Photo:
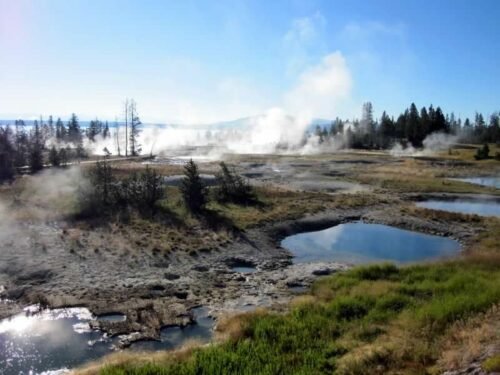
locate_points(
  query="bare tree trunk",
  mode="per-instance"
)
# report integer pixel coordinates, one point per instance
(117, 136)
(132, 135)
(126, 127)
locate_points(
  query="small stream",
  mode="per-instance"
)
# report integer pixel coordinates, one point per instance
(358, 243)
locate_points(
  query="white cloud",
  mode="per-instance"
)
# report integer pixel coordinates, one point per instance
(306, 29)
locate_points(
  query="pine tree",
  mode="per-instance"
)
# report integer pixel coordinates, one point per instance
(93, 130)
(6, 154)
(412, 126)
(36, 156)
(74, 131)
(60, 130)
(21, 144)
(387, 130)
(50, 124)
(105, 131)
(193, 190)
(54, 159)
(63, 156)
(233, 188)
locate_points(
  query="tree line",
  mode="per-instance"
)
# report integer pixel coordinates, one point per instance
(411, 127)
(56, 143)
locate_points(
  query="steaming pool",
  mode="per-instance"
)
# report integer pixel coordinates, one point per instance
(50, 342)
(358, 243)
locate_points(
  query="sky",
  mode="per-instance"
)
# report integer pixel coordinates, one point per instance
(206, 61)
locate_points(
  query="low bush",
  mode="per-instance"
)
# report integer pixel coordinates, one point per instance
(101, 193)
(233, 188)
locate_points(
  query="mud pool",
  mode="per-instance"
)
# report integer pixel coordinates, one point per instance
(367, 243)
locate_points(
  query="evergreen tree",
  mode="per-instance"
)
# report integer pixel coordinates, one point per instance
(63, 156)
(193, 190)
(6, 154)
(21, 144)
(105, 131)
(425, 125)
(233, 188)
(60, 130)
(387, 130)
(54, 158)
(74, 133)
(93, 130)
(36, 155)
(439, 122)
(493, 131)
(145, 190)
(412, 126)
(50, 124)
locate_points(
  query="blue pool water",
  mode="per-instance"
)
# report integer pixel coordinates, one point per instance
(367, 243)
(485, 181)
(478, 207)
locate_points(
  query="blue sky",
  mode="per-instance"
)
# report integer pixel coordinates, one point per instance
(203, 61)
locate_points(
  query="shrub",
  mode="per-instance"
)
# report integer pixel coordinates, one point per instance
(492, 364)
(377, 272)
(482, 153)
(104, 194)
(349, 308)
(54, 158)
(144, 190)
(232, 187)
(194, 192)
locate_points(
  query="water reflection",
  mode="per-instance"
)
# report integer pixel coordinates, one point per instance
(34, 342)
(244, 269)
(484, 181)
(483, 208)
(52, 341)
(366, 243)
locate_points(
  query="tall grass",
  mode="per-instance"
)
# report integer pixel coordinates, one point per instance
(350, 324)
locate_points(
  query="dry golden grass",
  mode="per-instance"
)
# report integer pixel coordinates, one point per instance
(232, 326)
(139, 358)
(467, 340)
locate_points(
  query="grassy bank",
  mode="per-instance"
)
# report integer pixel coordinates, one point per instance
(377, 319)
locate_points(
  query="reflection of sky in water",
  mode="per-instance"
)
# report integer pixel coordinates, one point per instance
(364, 243)
(50, 340)
(485, 181)
(468, 207)
(31, 343)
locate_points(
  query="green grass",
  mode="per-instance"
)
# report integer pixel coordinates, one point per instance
(492, 364)
(375, 319)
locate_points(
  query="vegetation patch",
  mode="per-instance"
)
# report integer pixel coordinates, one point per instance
(492, 364)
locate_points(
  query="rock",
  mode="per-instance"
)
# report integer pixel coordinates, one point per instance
(181, 294)
(323, 271)
(200, 268)
(172, 276)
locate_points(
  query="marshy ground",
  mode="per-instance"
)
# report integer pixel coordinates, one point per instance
(156, 271)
